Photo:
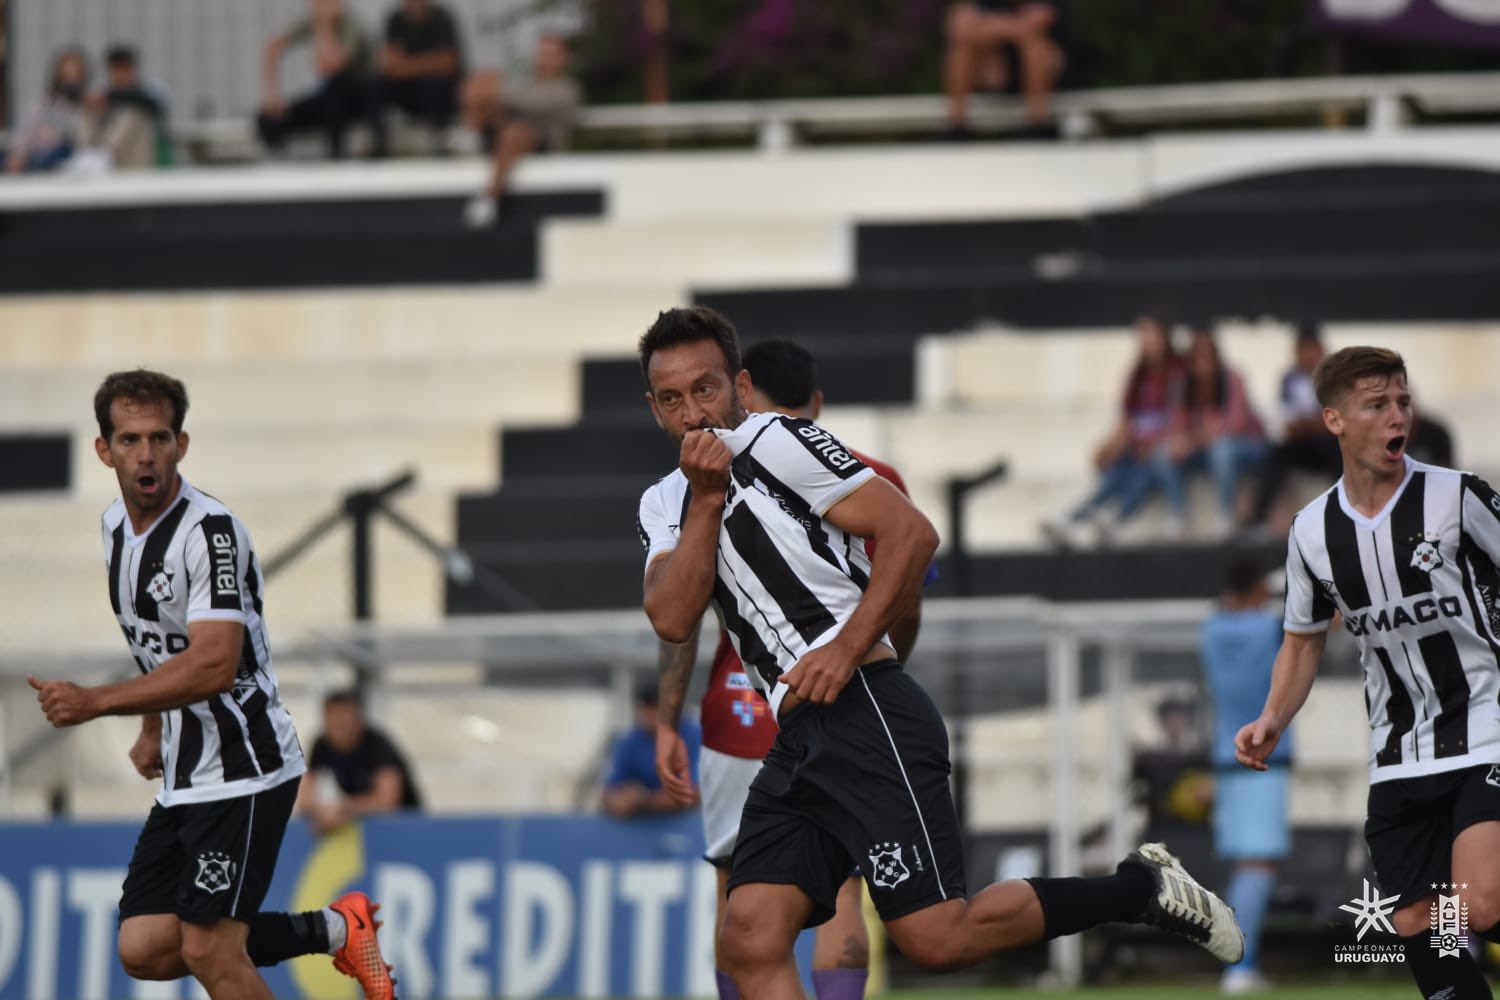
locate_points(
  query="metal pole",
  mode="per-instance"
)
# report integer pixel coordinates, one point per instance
(1062, 701)
(1119, 665)
(359, 512)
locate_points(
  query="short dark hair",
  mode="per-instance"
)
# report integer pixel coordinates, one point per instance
(120, 55)
(1338, 373)
(674, 327)
(143, 386)
(343, 696)
(784, 370)
(1244, 575)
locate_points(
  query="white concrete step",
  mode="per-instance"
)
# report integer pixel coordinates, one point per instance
(579, 253)
(411, 324)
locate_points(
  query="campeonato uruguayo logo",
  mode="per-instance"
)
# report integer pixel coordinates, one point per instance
(1448, 921)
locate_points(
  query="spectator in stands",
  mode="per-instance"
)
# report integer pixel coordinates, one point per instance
(127, 120)
(421, 66)
(978, 33)
(632, 787)
(53, 129)
(354, 769)
(1238, 645)
(1212, 426)
(655, 20)
(513, 121)
(1305, 443)
(1172, 778)
(341, 55)
(1124, 459)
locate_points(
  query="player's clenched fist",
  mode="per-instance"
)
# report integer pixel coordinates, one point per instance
(63, 702)
(705, 461)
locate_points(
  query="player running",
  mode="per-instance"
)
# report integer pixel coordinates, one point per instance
(737, 726)
(1407, 554)
(765, 517)
(185, 587)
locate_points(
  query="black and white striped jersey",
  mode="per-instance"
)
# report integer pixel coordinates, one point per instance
(1418, 588)
(195, 563)
(787, 579)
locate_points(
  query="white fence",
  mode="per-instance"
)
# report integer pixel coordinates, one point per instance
(1073, 662)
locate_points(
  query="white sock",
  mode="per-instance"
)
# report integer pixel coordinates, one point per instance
(338, 929)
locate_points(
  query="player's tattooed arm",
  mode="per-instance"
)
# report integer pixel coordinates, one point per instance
(674, 765)
(674, 672)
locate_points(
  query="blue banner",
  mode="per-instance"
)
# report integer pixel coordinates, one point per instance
(546, 906)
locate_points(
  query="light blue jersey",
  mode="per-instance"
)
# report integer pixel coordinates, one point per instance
(1238, 650)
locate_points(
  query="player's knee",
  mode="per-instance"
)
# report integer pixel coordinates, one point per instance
(143, 962)
(1484, 913)
(208, 954)
(746, 942)
(1413, 919)
(145, 955)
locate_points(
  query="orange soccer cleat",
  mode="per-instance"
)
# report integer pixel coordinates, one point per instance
(360, 956)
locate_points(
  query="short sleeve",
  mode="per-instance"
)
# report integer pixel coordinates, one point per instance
(1481, 516)
(1308, 608)
(810, 462)
(214, 551)
(380, 751)
(653, 525)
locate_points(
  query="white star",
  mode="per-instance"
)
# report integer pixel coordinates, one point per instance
(1434, 885)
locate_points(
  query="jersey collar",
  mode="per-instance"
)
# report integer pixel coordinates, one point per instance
(132, 539)
(1371, 522)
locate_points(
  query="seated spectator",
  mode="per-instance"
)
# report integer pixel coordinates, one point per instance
(512, 121)
(1172, 779)
(421, 66)
(1305, 443)
(354, 769)
(128, 120)
(53, 129)
(1124, 460)
(1212, 427)
(341, 55)
(631, 787)
(978, 32)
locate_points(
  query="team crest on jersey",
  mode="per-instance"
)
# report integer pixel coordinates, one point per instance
(1426, 556)
(887, 868)
(215, 872)
(160, 587)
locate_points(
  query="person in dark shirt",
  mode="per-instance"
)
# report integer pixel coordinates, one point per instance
(422, 63)
(354, 769)
(128, 119)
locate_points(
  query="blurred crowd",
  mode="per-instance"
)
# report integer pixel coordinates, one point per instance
(414, 75)
(1184, 410)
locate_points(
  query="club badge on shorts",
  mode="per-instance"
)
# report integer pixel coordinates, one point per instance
(887, 868)
(215, 872)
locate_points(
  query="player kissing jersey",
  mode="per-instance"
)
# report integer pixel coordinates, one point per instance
(736, 718)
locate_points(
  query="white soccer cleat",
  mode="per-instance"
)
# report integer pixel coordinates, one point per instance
(1184, 907)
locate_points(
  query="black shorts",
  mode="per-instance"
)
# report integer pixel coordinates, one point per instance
(208, 860)
(1411, 824)
(862, 783)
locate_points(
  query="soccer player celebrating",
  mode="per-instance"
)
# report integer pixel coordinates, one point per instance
(186, 589)
(765, 516)
(737, 726)
(1407, 554)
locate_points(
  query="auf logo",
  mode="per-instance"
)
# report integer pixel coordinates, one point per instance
(1371, 911)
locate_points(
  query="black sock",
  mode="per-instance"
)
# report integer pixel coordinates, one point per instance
(276, 937)
(1070, 905)
(1493, 934)
(1447, 976)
